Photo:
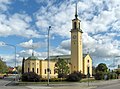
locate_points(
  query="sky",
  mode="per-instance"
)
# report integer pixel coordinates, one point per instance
(25, 23)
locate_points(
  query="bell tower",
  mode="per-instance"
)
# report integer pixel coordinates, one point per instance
(76, 45)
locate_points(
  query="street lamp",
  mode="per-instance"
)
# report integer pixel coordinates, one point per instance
(14, 53)
(48, 69)
(88, 71)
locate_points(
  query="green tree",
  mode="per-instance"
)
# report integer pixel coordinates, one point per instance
(101, 67)
(117, 71)
(62, 68)
(93, 70)
(19, 69)
(101, 72)
(23, 65)
(3, 67)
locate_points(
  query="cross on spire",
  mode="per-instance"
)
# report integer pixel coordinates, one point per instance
(76, 11)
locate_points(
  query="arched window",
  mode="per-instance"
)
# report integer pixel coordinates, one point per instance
(75, 25)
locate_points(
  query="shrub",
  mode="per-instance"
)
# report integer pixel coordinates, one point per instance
(84, 76)
(99, 75)
(30, 77)
(112, 75)
(62, 75)
(74, 77)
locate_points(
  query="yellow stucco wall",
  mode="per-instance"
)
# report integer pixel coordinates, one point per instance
(32, 64)
(40, 67)
(86, 64)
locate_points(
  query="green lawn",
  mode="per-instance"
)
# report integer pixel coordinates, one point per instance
(86, 80)
(57, 82)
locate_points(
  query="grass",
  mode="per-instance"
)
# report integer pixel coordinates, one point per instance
(86, 80)
(41, 83)
(56, 82)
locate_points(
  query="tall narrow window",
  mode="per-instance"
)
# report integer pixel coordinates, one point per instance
(79, 25)
(75, 25)
(28, 70)
(32, 69)
(45, 71)
(50, 71)
(37, 70)
(54, 71)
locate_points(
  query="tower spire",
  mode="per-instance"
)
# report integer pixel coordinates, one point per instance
(32, 50)
(76, 11)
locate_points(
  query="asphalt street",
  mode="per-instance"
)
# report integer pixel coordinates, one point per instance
(8, 80)
(111, 84)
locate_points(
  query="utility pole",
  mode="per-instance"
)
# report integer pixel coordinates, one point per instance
(48, 69)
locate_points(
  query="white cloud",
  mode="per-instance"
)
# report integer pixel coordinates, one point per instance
(88, 43)
(17, 24)
(28, 53)
(8, 59)
(2, 43)
(58, 18)
(31, 45)
(62, 49)
(4, 5)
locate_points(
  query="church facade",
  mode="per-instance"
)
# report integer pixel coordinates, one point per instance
(78, 61)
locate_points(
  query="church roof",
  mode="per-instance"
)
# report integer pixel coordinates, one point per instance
(84, 55)
(64, 56)
(32, 57)
(60, 56)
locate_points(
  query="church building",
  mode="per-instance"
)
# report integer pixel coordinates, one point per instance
(78, 61)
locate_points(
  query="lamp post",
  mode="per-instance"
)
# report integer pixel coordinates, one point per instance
(88, 71)
(48, 69)
(14, 53)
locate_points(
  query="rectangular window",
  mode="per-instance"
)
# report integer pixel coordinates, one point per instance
(32, 69)
(28, 70)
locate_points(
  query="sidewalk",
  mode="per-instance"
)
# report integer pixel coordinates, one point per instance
(84, 85)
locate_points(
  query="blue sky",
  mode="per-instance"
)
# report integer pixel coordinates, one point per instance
(24, 23)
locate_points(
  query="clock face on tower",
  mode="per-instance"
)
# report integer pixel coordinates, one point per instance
(74, 36)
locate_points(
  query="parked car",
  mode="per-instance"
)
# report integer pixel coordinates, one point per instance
(2, 76)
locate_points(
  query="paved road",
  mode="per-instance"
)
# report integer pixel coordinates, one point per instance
(6, 81)
(114, 84)
(109, 85)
